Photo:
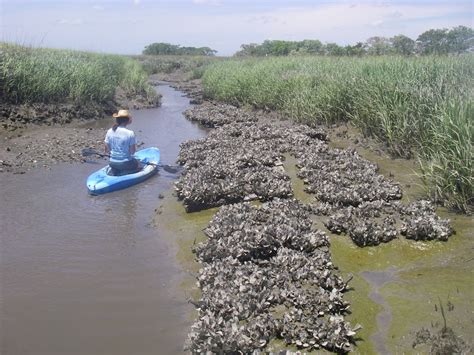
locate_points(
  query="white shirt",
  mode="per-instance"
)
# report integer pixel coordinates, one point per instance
(119, 142)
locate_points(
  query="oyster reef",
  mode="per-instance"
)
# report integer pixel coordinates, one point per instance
(266, 271)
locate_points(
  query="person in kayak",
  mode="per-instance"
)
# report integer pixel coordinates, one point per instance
(120, 144)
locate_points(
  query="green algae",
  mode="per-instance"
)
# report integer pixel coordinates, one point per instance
(185, 230)
(426, 272)
(297, 184)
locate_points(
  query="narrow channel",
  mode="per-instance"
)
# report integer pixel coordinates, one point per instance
(90, 275)
(376, 280)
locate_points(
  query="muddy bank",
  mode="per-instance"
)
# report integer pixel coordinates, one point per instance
(40, 134)
(19, 116)
(241, 160)
(16, 117)
(43, 147)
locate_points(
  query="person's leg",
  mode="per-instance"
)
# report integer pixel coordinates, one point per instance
(132, 166)
(126, 167)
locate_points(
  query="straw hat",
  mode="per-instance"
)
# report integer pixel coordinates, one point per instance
(121, 113)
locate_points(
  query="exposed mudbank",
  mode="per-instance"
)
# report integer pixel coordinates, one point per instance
(19, 116)
(40, 135)
(242, 160)
(43, 147)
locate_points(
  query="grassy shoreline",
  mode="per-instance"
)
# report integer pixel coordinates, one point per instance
(416, 106)
(30, 75)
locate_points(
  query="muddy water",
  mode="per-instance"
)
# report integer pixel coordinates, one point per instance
(90, 275)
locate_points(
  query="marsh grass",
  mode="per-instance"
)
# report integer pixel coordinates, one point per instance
(192, 66)
(53, 75)
(446, 160)
(415, 106)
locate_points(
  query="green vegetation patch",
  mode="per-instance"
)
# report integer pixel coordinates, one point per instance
(52, 75)
(194, 66)
(174, 49)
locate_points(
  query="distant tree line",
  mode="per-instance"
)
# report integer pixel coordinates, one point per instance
(173, 49)
(437, 41)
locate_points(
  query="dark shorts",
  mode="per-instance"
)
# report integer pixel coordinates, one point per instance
(126, 167)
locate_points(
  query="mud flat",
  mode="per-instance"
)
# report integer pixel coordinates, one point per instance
(40, 135)
(249, 248)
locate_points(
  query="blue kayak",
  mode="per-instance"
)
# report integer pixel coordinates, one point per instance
(100, 182)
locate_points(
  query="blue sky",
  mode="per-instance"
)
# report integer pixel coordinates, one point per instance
(127, 26)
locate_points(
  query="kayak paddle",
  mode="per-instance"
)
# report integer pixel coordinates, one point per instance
(87, 152)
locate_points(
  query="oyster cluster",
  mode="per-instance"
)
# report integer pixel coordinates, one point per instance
(221, 169)
(420, 222)
(213, 115)
(238, 162)
(268, 275)
(362, 203)
(370, 223)
(342, 177)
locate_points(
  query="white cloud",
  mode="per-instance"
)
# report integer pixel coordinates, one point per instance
(136, 2)
(346, 23)
(207, 2)
(263, 19)
(98, 7)
(74, 22)
(376, 23)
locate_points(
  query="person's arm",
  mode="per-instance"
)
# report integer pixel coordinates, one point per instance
(106, 143)
(133, 144)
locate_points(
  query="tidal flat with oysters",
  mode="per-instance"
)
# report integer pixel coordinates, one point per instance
(276, 272)
(368, 206)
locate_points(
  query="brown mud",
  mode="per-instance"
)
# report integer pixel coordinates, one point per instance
(41, 135)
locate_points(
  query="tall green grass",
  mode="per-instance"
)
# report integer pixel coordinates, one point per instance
(421, 106)
(447, 159)
(193, 66)
(53, 75)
